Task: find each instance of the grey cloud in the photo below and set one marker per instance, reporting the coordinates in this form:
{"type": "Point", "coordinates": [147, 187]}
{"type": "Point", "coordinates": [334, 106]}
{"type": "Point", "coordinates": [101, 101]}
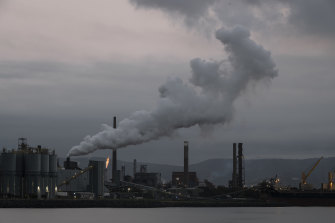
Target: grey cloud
{"type": "Point", "coordinates": [307, 16]}
{"type": "Point", "coordinates": [195, 13]}
{"type": "Point", "coordinates": [191, 8]}
{"type": "Point", "coordinates": [313, 17]}
{"type": "Point", "coordinates": [291, 119]}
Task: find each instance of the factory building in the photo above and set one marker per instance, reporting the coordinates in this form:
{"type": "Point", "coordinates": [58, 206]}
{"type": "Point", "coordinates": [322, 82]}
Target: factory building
{"type": "Point", "coordinates": [28, 172]}
{"type": "Point", "coordinates": [178, 179]}
{"type": "Point", "coordinates": [72, 179]}
{"type": "Point", "coordinates": [67, 182]}
{"type": "Point", "coordinates": [70, 165]}
{"type": "Point", "coordinates": [147, 179]}
{"type": "Point", "coordinates": [186, 178]}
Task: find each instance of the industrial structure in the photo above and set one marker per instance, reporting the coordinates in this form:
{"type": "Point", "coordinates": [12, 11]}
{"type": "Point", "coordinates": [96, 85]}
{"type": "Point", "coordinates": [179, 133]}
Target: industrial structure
{"type": "Point", "coordinates": [303, 184]}
{"type": "Point", "coordinates": [115, 173]}
{"type": "Point", "coordinates": [238, 176]}
{"type": "Point", "coordinates": [72, 179]}
{"type": "Point", "coordinates": [96, 177]}
{"type": "Point", "coordinates": [147, 179]}
{"type": "Point", "coordinates": [186, 178]}
{"type": "Point", "coordinates": [34, 172]}
{"type": "Point", "coordinates": [28, 172]}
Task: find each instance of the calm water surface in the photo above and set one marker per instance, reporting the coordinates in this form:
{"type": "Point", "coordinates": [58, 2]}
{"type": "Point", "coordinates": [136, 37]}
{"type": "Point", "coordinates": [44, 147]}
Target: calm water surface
{"type": "Point", "coordinates": [171, 215]}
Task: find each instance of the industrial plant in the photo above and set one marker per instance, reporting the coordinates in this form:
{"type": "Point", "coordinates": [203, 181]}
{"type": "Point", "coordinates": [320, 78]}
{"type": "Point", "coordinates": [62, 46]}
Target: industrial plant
{"type": "Point", "coordinates": [36, 173]}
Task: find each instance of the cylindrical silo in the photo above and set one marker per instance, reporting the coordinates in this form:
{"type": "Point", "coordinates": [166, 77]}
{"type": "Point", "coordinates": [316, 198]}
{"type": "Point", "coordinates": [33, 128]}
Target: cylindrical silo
{"type": "Point", "coordinates": [32, 164]}
{"type": "Point", "coordinates": [52, 174]}
{"type": "Point", "coordinates": [44, 173]}
{"type": "Point", "coordinates": [19, 173]}
{"type": "Point", "coordinates": [8, 168]}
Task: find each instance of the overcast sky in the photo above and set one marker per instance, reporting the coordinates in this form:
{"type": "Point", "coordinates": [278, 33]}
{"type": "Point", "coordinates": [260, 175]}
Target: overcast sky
{"type": "Point", "coordinates": [68, 66]}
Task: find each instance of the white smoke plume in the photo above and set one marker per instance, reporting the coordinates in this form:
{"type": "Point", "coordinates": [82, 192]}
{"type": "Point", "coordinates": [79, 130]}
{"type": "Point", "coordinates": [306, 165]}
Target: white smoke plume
{"type": "Point", "coordinates": [183, 105]}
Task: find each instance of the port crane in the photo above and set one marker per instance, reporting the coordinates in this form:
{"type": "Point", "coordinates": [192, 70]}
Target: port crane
{"type": "Point", "coordinates": [303, 184]}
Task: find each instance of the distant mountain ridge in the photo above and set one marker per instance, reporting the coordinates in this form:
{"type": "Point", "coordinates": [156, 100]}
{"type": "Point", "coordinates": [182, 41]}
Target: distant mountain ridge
{"type": "Point", "coordinates": [219, 171]}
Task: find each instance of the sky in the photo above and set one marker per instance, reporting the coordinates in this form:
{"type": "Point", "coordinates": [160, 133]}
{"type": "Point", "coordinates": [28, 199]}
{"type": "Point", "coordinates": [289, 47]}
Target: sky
{"type": "Point", "coordinates": [67, 67]}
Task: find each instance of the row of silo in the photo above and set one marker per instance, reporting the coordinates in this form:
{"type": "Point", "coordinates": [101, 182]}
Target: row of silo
{"type": "Point", "coordinates": [32, 174]}
{"type": "Point", "coordinates": [8, 173]}
{"type": "Point", "coordinates": [28, 173]}
{"type": "Point", "coordinates": [52, 174]}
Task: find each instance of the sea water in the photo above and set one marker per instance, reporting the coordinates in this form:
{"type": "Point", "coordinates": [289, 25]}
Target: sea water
{"type": "Point", "coordinates": [169, 215]}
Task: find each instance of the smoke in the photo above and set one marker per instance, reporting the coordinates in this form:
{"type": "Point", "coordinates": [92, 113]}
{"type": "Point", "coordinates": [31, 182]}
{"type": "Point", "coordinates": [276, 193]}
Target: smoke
{"type": "Point", "coordinates": [207, 98]}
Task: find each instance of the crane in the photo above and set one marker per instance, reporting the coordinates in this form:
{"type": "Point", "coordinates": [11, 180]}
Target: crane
{"type": "Point", "coordinates": [67, 181]}
{"type": "Point", "coordinates": [303, 183]}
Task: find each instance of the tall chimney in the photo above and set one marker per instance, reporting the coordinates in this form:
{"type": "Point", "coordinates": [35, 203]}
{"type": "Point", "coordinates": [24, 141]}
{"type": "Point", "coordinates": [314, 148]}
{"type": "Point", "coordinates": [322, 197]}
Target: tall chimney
{"type": "Point", "coordinates": [186, 174]}
{"type": "Point", "coordinates": [134, 168]}
{"type": "Point", "coordinates": [240, 165]}
{"type": "Point", "coordinates": [114, 162]}
{"type": "Point", "coordinates": [123, 172]}
{"type": "Point", "coordinates": [114, 122]}
{"type": "Point", "coordinates": [234, 176]}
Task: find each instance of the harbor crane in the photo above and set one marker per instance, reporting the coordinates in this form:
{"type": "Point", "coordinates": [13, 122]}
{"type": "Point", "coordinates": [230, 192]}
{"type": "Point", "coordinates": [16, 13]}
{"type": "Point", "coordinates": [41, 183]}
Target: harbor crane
{"type": "Point", "coordinates": [303, 184]}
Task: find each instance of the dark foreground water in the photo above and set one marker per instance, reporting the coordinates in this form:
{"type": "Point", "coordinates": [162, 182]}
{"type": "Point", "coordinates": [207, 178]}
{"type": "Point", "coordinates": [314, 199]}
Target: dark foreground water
{"type": "Point", "coordinates": [169, 215]}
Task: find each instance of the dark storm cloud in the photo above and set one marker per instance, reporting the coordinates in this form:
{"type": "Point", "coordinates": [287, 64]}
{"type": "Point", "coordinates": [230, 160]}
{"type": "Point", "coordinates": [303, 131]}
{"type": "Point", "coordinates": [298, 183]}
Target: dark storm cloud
{"type": "Point", "coordinates": [313, 16]}
{"type": "Point", "coordinates": [306, 16]}
{"type": "Point", "coordinates": [193, 12]}
{"type": "Point", "coordinates": [191, 8]}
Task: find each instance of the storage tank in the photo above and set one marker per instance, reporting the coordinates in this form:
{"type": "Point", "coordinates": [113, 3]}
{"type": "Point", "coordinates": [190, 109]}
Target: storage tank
{"type": "Point", "coordinates": [52, 174]}
{"type": "Point", "coordinates": [32, 165]}
{"type": "Point", "coordinates": [44, 172]}
{"type": "Point", "coordinates": [7, 173]}
{"type": "Point", "coordinates": [96, 174]}
{"type": "Point", "coordinates": [19, 173]}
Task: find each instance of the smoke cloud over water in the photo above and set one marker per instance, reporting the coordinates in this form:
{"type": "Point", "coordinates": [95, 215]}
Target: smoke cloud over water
{"type": "Point", "coordinates": [207, 99]}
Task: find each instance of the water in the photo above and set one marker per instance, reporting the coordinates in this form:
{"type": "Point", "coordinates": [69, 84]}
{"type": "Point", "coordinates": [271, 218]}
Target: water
{"type": "Point", "coordinates": [169, 215]}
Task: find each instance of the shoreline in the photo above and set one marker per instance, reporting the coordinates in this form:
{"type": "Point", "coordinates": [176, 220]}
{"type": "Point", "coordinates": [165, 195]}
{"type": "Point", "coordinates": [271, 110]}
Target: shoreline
{"type": "Point", "coordinates": [106, 203]}
{"type": "Point", "coordinates": [111, 203]}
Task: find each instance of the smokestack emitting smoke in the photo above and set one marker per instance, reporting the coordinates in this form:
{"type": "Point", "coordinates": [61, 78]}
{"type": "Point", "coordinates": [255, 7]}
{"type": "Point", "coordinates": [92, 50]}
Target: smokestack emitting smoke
{"type": "Point", "coordinates": [186, 174]}
{"type": "Point", "coordinates": [234, 178]}
{"type": "Point", "coordinates": [181, 105]}
{"type": "Point", "coordinates": [240, 166]}
{"type": "Point", "coordinates": [114, 164]}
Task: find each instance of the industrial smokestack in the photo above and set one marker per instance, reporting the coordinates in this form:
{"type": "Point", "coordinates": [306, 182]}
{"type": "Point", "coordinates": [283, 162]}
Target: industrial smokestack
{"type": "Point", "coordinates": [114, 163]}
{"type": "Point", "coordinates": [186, 174]}
{"type": "Point", "coordinates": [114, 122]}
{"type": "Point", "coordinates": [240, 166]}
{"type": "Point", "coordinates": [234, 176]}
{"type": "Point", "coordinates": [134, 168]}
